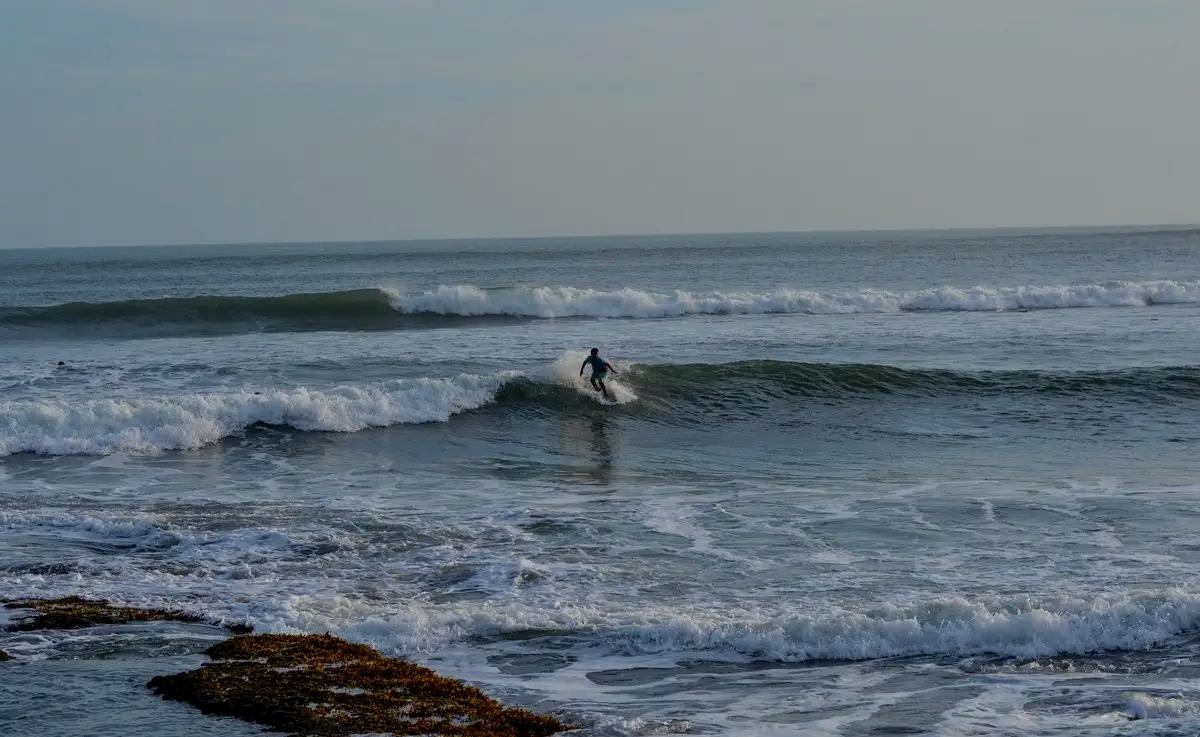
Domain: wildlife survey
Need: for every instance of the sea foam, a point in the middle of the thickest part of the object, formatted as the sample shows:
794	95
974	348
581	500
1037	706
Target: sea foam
940	626
101	426
1017	626
1146	706
552	302
528	595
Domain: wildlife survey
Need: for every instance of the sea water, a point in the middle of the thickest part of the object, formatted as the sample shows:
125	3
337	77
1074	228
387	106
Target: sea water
854	484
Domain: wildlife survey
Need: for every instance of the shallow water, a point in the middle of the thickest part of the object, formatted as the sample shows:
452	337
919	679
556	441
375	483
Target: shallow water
858	484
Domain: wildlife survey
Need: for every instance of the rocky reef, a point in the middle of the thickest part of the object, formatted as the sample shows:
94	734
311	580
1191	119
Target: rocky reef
73	612
312	685
323	685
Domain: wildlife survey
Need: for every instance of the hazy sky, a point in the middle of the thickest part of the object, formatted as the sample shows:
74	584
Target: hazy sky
173	121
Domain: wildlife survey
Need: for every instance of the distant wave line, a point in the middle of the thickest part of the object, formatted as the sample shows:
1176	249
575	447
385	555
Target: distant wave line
380	308
559	302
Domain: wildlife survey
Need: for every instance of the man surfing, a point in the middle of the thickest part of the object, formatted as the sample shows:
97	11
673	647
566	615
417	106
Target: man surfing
600	369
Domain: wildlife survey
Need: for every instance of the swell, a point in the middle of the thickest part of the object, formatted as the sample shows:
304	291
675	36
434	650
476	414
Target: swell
667	393
382	309
351	304
746	387
786	378
355	309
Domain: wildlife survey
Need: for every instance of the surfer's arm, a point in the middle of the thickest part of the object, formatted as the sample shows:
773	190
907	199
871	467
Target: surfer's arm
581	368
610	367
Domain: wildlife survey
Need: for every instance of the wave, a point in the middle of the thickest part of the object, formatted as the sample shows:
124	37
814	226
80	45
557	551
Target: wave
1015	626
103	426
558	302
668	392
777	379
1147	706
674	390
356	304
355	309
385	309
528	602
1021	626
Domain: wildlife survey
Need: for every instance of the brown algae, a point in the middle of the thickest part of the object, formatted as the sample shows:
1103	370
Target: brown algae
323	685
74	612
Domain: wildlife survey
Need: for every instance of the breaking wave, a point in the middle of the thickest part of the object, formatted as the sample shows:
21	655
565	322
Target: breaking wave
461	305
1016	626
102	426
668	392
552	302
1024	626
1147	706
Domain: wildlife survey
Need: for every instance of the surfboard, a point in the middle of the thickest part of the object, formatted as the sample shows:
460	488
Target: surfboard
585	388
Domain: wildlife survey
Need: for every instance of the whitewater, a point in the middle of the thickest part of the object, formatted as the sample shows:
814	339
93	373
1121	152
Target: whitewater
552	302
675	394
98	426
852	484
231	567
388	308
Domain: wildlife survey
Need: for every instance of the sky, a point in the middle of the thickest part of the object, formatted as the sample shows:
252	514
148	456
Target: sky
166	121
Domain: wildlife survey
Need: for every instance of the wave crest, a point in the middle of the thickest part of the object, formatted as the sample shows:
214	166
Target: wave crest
466	305
555	302
102	426
1015	626
1018	626
1148	706
768	379
671	393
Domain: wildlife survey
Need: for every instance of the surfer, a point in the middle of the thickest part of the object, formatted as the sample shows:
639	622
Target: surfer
600	369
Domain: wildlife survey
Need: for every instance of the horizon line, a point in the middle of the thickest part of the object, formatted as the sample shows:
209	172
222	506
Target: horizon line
663	234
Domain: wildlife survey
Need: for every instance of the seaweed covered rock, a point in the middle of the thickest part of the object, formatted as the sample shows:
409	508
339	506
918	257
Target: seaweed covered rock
73	612
323	685
4	656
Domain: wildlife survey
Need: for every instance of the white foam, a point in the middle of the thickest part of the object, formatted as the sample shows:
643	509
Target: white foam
1016	626
639	727
308	578
1145	706
248	575
940	626
677	520
101	426
551	302
144	532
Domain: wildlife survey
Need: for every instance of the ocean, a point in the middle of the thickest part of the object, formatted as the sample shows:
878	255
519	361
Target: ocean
883	483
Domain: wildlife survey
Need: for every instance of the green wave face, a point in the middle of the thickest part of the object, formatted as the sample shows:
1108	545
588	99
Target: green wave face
355	309
746	386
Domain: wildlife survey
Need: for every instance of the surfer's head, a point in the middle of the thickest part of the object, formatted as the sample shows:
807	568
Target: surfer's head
595	351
